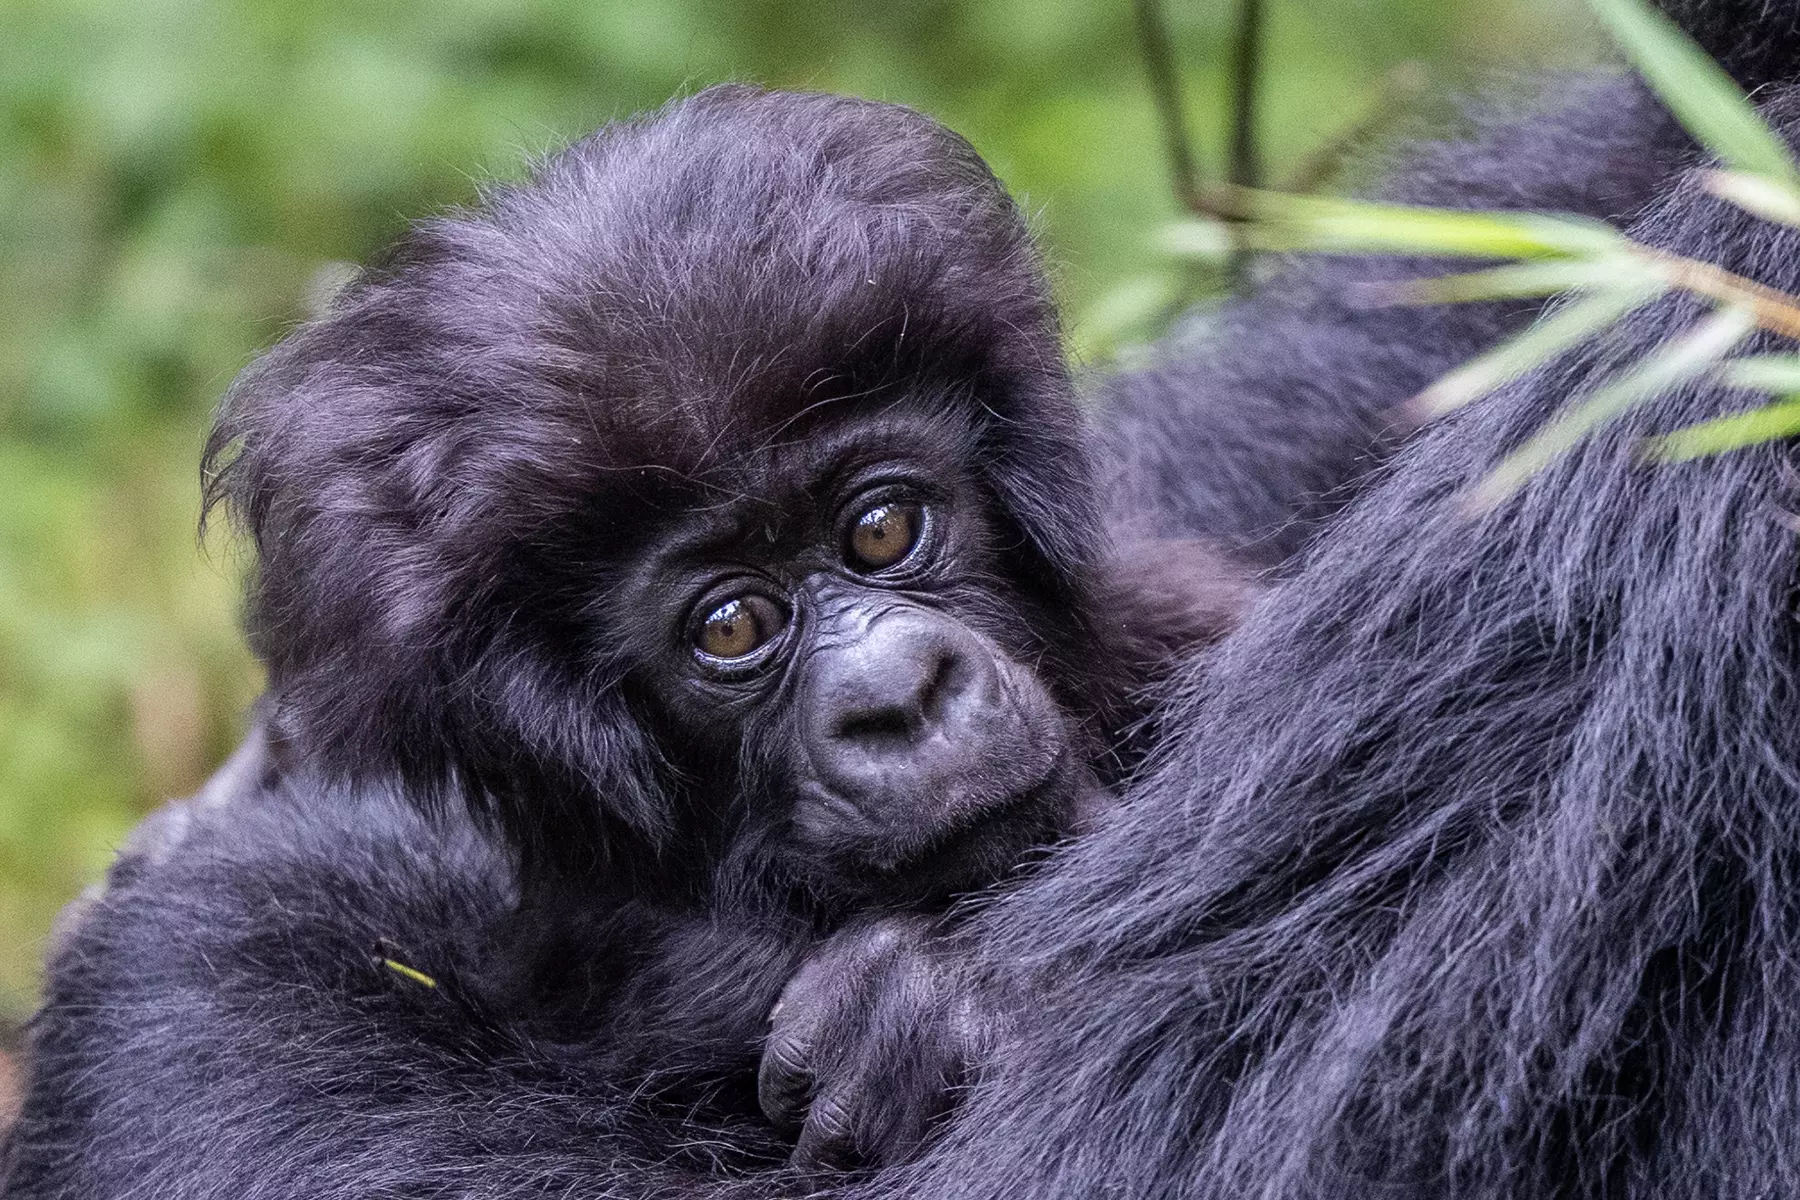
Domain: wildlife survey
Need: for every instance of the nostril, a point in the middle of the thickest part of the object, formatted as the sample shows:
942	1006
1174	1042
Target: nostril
911	709
940	684
877	725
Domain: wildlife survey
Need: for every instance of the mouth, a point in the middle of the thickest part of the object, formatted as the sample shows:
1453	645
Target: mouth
987	843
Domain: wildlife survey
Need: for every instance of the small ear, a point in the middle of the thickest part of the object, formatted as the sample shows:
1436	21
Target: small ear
1161	599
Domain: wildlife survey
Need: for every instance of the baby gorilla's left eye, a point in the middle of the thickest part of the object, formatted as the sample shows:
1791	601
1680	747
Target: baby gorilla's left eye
740	626
884	535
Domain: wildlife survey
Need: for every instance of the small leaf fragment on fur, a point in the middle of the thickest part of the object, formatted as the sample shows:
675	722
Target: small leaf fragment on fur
412	973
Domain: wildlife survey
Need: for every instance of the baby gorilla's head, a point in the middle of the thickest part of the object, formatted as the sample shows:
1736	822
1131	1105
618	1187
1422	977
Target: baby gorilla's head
716	497
835	631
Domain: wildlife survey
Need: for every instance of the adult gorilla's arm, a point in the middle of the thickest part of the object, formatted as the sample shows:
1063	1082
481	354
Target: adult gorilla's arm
217	1024
1477	870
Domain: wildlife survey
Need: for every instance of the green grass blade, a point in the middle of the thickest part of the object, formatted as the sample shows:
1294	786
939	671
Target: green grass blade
1197	238
1773	373
1330	225
1697	90
1771	199
1680	360
1728	433
1549	337
1520	281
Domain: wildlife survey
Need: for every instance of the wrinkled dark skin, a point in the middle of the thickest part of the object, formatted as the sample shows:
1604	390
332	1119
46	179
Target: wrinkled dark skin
924	761
870	1041
896	744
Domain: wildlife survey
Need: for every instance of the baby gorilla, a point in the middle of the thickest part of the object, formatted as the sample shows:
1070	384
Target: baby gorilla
711	515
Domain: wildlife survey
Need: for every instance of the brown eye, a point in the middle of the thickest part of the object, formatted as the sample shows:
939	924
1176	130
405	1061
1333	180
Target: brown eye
884	535
738	627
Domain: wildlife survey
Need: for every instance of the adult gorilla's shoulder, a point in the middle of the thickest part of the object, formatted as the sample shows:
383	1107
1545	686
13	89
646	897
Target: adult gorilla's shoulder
1258	423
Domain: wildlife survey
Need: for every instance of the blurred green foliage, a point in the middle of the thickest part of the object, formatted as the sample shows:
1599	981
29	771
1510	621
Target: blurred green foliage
178	176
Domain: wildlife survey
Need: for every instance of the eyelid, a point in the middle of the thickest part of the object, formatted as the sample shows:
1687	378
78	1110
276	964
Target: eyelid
888	487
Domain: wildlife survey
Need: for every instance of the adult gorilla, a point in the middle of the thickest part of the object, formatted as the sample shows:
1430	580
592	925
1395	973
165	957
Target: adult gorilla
1476	872
1472	870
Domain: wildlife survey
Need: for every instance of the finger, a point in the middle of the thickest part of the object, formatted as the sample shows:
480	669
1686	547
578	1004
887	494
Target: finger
784	1080
786	1076
867	1123
827	1140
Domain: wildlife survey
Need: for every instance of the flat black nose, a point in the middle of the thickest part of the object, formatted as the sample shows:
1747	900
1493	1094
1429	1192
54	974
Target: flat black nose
897	703
908	700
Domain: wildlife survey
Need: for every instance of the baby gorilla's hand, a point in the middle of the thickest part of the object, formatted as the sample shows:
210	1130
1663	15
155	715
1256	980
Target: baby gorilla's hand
869	1041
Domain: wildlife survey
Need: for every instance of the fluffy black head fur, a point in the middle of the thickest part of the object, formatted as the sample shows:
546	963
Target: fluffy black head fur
440	471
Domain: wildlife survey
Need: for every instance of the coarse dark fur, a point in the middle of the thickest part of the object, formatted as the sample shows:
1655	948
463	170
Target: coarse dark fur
1467	868
1477	874
497	488
1473	871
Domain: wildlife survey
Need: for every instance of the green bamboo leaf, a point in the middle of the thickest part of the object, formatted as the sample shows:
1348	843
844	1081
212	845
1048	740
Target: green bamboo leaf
1771	199
1680	360
1198	238
1549	337
1521	281
1728	433
1774	373
1696	89
1330	225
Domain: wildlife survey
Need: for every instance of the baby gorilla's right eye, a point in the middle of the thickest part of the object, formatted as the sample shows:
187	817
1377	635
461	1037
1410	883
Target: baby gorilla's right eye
740	626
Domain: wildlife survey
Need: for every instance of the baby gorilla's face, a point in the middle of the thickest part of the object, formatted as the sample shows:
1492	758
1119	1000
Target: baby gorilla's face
834	623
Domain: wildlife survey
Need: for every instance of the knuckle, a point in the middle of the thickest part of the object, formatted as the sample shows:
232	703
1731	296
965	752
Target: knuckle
830	1119
786	1056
